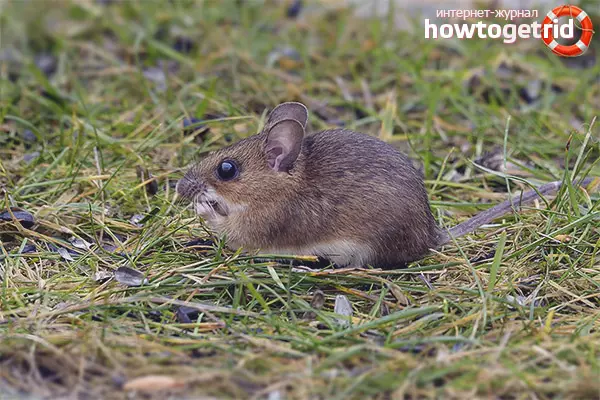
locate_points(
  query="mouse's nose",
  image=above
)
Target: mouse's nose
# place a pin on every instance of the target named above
(188, 187)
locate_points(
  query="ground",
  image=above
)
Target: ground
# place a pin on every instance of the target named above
(103, 106)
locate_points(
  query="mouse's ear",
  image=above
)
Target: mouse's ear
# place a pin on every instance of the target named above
(289, 110)
(283, 144)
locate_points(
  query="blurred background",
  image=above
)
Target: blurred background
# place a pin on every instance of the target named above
(156, 66)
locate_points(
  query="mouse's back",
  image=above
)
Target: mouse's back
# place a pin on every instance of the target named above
(370, 194)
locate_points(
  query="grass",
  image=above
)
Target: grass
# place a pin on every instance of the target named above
(509, 312)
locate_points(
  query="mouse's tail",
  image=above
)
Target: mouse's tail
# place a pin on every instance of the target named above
(487, 216)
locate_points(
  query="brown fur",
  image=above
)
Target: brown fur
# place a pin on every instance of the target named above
(343, 186)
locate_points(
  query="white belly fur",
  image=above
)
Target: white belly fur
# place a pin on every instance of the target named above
(344, 253)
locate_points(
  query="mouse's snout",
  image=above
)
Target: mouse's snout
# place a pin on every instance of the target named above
(189, 186)
(206, 202)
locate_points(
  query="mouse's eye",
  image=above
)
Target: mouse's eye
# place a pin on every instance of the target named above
(227, 170)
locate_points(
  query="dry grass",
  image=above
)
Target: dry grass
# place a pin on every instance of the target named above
(509, 312)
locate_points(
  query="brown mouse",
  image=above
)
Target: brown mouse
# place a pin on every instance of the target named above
(338, 194)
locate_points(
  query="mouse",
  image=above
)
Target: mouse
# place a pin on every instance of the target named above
(337, 194)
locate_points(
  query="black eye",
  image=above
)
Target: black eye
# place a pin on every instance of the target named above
(227, 170)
